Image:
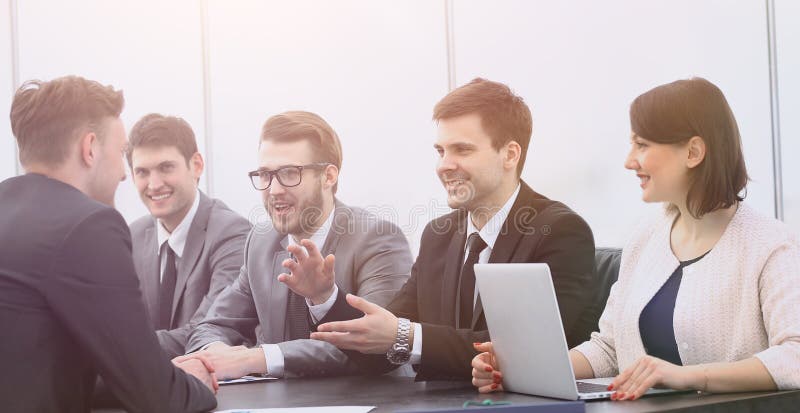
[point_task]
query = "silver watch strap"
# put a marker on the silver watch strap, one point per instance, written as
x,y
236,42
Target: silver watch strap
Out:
x,y
403,331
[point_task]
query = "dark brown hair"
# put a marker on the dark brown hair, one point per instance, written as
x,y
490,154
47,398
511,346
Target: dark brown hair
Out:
x,y
156,130
48,117
675,112
504,115
298,125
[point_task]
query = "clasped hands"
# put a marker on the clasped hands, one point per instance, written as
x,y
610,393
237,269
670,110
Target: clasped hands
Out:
x,y
200,367
631,384
229,362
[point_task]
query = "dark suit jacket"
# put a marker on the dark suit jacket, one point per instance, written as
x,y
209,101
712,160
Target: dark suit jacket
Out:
x,y
537,230
372,260
211,260
70,308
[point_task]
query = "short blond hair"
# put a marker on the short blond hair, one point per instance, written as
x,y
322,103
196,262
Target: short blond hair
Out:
x,y
298,125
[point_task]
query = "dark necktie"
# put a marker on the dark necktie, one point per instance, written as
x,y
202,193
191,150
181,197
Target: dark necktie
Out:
x,y
167,290
297,316
475,245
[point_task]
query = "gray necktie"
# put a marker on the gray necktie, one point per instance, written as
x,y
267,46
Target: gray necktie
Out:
x,y
297,316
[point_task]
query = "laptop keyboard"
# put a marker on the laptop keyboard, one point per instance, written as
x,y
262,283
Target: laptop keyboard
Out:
x,y
584,387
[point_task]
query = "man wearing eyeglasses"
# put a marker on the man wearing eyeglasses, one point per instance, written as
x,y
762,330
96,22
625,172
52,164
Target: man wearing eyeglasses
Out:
x,y
190,246
290,281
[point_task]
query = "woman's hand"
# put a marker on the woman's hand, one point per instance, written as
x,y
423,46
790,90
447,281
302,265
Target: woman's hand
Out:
x,y
649,372
485,375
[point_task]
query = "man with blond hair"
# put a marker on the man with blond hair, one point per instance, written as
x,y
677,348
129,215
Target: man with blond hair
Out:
x,y
290,281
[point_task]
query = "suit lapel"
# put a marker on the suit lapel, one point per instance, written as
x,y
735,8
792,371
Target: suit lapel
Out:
x,y
341,221
150,264
519,220
451,288
195,239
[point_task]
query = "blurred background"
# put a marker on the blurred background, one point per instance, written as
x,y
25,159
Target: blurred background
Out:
x,y
375,68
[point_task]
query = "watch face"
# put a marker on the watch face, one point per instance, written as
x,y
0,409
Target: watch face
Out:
x,y
399,358
398,354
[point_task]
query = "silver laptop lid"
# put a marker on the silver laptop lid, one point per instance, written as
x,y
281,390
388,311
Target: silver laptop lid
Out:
x,y
521,311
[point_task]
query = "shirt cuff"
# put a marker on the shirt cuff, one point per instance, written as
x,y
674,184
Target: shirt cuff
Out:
x,y
416,348
318,312
275,363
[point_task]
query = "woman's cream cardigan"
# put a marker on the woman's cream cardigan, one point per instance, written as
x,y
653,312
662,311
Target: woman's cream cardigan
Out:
x,y
740,300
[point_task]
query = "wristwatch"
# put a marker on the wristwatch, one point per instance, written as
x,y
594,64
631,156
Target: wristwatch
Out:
x,y
400,352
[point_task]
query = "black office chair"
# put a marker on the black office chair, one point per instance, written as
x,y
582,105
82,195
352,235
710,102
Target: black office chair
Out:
x,y
606,271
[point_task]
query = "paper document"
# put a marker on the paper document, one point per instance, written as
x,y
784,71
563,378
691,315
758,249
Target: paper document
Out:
x,y
326,409
245,379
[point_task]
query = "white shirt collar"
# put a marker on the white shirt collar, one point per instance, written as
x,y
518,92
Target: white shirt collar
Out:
x,y
177,239
492,229
320,235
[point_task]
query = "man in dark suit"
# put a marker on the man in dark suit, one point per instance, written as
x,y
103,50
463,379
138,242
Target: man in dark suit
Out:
x,y
484,131
190,247
70,305
286,287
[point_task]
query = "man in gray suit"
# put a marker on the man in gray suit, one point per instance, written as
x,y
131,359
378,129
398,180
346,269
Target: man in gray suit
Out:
x,y
190,246
286,287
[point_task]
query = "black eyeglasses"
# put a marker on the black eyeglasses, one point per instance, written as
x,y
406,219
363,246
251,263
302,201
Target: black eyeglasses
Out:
x,y
288,176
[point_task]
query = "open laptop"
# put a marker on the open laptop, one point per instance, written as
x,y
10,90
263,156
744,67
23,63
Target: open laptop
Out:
x,y
521,310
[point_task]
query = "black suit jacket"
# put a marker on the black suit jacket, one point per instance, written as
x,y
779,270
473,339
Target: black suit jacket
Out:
x,y
537,230
70,308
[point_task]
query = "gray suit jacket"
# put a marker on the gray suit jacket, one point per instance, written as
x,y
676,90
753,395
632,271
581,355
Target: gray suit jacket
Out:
x,y
373,260
210,262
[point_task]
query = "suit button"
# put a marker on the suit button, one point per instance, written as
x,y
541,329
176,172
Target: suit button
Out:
x,y
685,345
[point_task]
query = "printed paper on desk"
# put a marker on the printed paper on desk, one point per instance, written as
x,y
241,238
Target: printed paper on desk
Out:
x,y
326,409
245,379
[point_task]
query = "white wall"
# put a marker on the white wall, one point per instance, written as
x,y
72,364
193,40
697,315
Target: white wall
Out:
x,y
150,49
375,68
579,64
7,144
372,69
787,30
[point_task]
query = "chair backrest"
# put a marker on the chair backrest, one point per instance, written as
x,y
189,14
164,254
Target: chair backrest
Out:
x,y
606,271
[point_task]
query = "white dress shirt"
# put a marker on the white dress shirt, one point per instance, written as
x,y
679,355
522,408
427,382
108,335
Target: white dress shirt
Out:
x,y
273,353
177,238
489,233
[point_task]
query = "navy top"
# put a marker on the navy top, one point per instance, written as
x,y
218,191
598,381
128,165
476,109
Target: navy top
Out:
x,y
655,322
